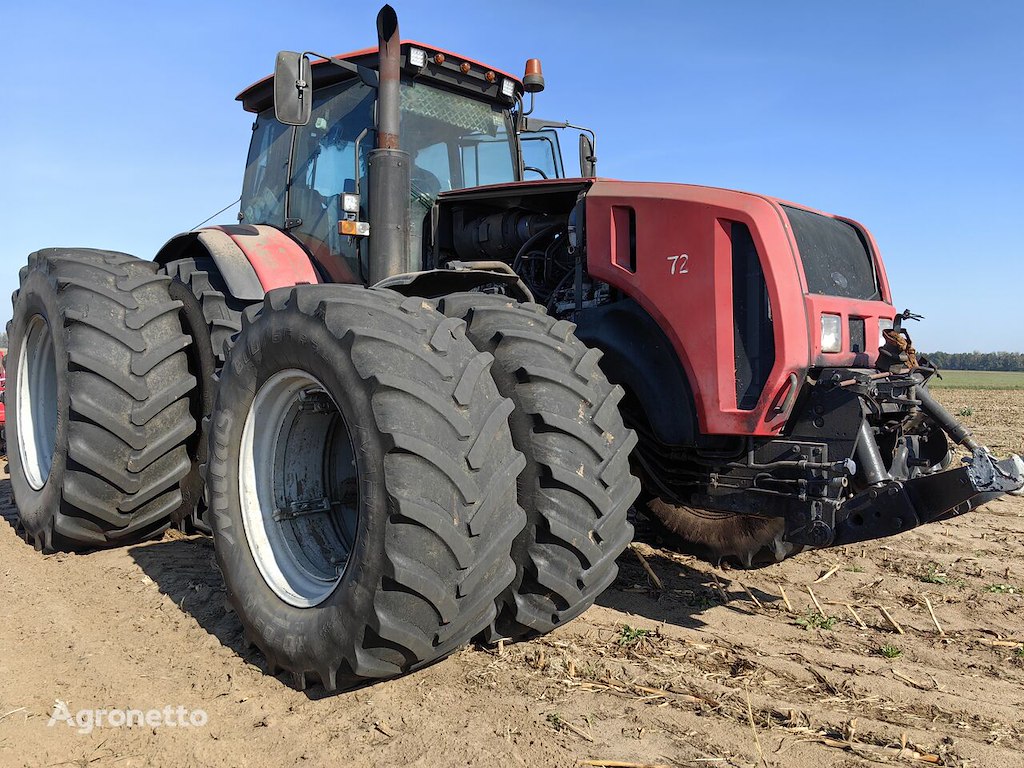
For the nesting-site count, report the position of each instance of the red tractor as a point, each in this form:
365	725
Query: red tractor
415	391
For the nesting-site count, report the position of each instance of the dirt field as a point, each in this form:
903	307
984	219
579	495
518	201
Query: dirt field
712	669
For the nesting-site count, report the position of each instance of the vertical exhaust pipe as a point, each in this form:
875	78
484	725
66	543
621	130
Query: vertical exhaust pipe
389	167
389	64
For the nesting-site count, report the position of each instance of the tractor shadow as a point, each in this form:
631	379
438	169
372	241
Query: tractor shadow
689	584
184	568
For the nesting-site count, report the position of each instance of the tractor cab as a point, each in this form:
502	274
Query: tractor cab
461	122
457	122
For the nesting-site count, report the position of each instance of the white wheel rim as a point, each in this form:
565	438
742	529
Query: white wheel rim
298	488
36	402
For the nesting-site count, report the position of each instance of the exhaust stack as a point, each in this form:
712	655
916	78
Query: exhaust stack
389	167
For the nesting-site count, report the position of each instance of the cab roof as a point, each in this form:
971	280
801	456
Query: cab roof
452	69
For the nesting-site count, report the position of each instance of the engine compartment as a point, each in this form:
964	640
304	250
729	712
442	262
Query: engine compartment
537	231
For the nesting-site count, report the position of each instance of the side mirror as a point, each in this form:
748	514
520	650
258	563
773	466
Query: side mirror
293	88
588	162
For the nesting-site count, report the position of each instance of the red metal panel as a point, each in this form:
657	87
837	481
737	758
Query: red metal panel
278	260
870	311
683	279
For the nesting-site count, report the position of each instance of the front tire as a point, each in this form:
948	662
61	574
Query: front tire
577	487
362	484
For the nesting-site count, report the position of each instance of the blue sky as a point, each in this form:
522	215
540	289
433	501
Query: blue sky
120	127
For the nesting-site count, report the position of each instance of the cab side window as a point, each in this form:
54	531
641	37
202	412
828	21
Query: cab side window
325	166
542	155
485	160
266	172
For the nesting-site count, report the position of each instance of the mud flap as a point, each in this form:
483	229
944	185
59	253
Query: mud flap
894	507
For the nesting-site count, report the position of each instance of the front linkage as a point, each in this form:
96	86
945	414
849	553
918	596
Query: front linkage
895	506
866	455
895	410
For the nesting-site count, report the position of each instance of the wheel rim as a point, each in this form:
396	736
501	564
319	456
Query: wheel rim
36	402
298	488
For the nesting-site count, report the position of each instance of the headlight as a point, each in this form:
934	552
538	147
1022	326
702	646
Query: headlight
831	333
884	324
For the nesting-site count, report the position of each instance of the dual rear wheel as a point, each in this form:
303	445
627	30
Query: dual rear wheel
100	427
388	481
388	477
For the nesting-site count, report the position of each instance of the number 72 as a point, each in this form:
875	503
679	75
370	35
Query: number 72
679	264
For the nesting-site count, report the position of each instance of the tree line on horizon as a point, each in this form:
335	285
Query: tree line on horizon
977	361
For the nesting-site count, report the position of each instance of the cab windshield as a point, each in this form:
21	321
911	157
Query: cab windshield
455	141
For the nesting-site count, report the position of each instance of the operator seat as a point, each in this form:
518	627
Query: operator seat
425	183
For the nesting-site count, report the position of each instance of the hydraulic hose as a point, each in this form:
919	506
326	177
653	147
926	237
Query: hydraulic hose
957	432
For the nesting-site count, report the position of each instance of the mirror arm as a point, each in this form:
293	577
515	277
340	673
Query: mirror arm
593	138
532	124
367	75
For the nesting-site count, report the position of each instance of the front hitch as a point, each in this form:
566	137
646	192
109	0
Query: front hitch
896	506
1006	476
891	506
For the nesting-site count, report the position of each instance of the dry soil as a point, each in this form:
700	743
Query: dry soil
795	664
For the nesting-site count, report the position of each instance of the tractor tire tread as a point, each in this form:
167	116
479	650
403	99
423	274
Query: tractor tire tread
573	490
124	437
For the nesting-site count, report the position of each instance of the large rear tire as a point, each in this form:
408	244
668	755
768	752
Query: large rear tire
362	484
217	315
99	391
577	487
212	317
